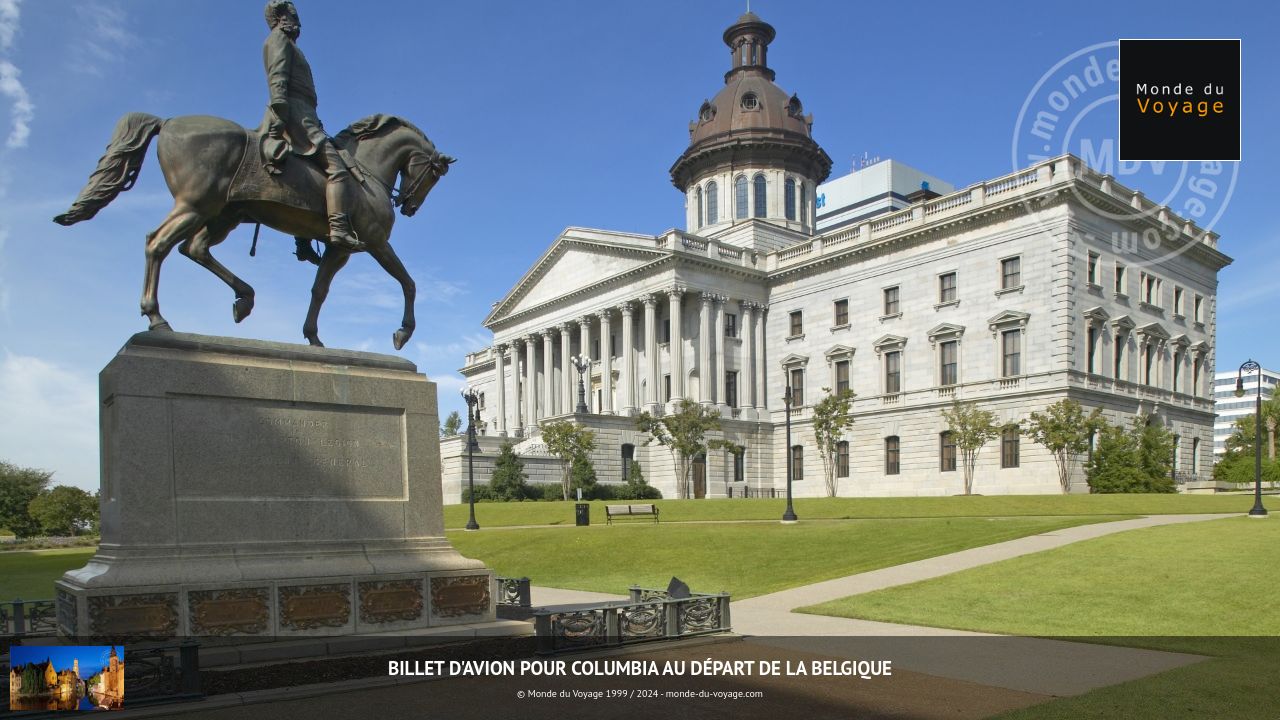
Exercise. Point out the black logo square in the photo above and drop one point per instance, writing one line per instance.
(1179, 100)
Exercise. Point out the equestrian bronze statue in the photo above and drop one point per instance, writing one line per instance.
(287, 175)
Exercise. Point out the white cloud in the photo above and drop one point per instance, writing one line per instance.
(4, 287)
(105, 39)
(9, 14)
(49, 419)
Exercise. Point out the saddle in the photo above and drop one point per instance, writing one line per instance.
(297, 184)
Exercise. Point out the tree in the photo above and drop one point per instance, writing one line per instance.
(583, 476)
(1133, 460)
(64, 510)
(508, 479)
(452, 425)
(18, 487)
(831, 418)
(684, 434)
(1064, 430)
(970, 428)
(569, 442)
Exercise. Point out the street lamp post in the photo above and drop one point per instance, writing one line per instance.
(1258, 510)
(790, 515)
(582, 364)
(470, 396)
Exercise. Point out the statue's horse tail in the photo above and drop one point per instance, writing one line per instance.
(117, 169)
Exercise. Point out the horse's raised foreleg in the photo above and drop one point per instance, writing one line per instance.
(178, 226)
(197, 248)
(387, 258)
(332, 262)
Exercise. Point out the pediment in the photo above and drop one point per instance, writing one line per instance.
(946, 329)
(1009, 317)
(1123, 322)
(888, 341)
(1097, 313)
(1180, 340)
(1154, 330)
(570, 265)
(794, 359)
(838, 351)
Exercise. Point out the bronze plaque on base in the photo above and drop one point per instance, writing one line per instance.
(390, 601)
(228, 612)
(461, 595)
(152, 614)
(304, 607)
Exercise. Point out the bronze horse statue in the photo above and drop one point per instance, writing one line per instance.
(209, 165)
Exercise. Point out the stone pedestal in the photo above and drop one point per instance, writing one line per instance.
(255, 488)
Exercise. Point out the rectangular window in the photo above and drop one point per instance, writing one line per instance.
(1149, 292)
(666, 330)
(1120, 280)
(891, 455)
(1091, 351)
(613, 346)
(731, 388)
(1010, 273)
(1177, 301)
(797, 462)
(666, 388)
(891, 301)
(842, 312)
(730, 325)
(947, 452)
(842, 375)
(1011, 351)
(842, 459)
(1196, 309)
(739, 466)
(1195, 376)
(797, 323)
(1093, 268)
(1148, 363)
(1177, 371)
(893, 372)
(797, 387)
(948, 355)
(1009, 448)
(595, 349)
(947, 287)
(1118, 364)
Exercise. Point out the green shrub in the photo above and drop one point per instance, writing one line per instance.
(508, 480)
(1137, 460)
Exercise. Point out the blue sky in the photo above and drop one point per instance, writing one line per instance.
(561, 113)
(92, 657)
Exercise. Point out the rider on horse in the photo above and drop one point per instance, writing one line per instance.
(292, 119)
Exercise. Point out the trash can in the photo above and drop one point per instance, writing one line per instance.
(582, 514)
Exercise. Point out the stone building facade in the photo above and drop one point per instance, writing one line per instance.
(1015, 293)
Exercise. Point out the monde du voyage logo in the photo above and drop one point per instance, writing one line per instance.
(1180, 100)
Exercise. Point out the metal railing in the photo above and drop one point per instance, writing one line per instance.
(512, 598)
(650, 615)
(20, 617)
(162, 673)
(750, 492)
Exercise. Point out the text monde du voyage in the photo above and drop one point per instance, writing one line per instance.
(1180, 99)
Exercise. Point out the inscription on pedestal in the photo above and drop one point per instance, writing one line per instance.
(66, 612)
(151, 614)
(228, 612)
(268, 450)
(304, 607)
(390, 601)
(459, 596)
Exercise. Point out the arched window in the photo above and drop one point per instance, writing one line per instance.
(761, 206)
(713, 203)
(697, 193)
(842, 459)
(740, 198)
(789, 198)
(892, 456)
(804, 204)
(628, 456)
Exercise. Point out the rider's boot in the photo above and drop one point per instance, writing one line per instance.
(335, 194)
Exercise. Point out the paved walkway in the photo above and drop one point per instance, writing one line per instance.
(1035, 665)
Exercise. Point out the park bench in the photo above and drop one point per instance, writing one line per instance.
(612, 511)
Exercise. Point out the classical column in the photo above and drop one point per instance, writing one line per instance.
(606, 361)
(530, 384)
(500, 370)
(721, 400)
(704, 350)
(628, 360)
(676, 346)
(651, 352)
(566, 375)
(584, 349)
(548, 388)
(758, 377)
(747, 361)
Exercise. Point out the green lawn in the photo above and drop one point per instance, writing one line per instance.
(30, 574)
(1203, 588)
(746, 559)
(561, 513)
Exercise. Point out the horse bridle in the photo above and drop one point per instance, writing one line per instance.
(402, 195)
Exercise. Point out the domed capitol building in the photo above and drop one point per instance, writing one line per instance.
(887, 281)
